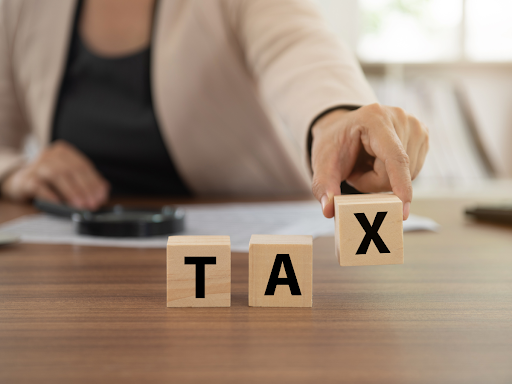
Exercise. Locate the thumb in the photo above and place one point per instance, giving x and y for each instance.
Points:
(330, 168)
(324, 189)
(332, 158)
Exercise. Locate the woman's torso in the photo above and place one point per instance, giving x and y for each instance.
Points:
(205, 97)
(105, 109)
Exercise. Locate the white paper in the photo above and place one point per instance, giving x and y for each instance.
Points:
(239, 221)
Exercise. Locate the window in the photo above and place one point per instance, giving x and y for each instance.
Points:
(488, 30)
(435, 30)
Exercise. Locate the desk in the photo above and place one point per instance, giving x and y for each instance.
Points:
(89, 315)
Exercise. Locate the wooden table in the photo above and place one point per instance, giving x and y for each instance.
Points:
(88, 315)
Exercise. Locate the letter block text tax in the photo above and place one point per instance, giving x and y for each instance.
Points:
(368, 229)
(281, 271)
(199, 271)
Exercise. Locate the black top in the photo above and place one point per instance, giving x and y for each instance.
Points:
(105, 110)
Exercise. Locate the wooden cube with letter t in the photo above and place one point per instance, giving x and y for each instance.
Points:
(199, 271)
(281, 271)
(369, 229)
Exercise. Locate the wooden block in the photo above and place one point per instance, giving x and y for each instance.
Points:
(280, 271)
(199, 271)
(369, 229)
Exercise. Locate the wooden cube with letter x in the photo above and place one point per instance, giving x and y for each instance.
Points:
(281, 271)
(198, 271)
(369, 229)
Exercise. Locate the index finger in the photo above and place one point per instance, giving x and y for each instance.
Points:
(400, 180)
(387, 147)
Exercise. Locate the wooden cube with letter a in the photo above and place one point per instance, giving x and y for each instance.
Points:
(369, 229)
(199, 271)
(281, 271)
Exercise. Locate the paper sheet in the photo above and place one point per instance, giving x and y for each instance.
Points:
(239, 220)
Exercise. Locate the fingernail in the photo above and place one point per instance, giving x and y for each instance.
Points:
(324, 200)
(407, 208)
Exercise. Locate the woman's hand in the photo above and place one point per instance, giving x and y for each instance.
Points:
(374, 148)
(61, 174)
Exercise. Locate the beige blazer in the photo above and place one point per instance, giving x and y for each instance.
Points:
(236, 85)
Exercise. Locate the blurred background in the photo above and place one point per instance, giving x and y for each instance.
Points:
(449, 62)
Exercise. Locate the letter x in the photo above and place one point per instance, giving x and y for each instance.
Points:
(371, 233)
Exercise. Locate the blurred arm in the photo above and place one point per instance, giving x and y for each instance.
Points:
(12, 127)
(301, 68)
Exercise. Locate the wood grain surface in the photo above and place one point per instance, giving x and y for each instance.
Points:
(98, 315)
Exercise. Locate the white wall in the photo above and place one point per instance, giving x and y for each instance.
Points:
(343, 18)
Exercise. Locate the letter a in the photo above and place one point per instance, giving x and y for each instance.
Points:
(289, 280)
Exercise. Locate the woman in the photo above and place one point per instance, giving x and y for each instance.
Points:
(190, 96)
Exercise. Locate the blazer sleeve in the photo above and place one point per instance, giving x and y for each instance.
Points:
(300, 67)
(12, 127)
